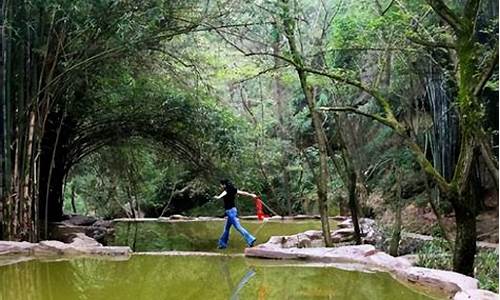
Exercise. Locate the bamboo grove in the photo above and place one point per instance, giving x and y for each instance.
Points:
(49, 52)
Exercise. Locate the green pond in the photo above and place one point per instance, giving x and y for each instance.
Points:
(146, 277)
(201, 235)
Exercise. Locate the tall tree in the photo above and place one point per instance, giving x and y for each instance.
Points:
(475, 66)
(316, 119)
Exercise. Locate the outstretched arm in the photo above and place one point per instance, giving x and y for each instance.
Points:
(243, 193)
(221, 195)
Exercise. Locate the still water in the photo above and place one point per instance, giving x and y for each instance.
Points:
(191, 277)
(201, 235)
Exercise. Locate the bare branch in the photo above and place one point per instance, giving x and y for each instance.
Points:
(286, 59)
(471, 10)
(420, 156)
(358, 112)
(431, 44)
(379, 6)
(274, 68)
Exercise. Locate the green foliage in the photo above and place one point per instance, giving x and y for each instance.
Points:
(200, 93)
(486, 270)
(438, 254)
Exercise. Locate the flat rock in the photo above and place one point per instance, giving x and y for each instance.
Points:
(113, 251)
(8, 247)
(339, 218)
(446, 281)
(51, 248)
(473, 294)
(367, 258)
(65, 232)
(179, 217)
(411, 258)
(132, 220)
(83, 241)
(330, 255)
(344, 231)
(103, 223)
(210, 219)
(487, 246)
(347, 222)
(388, 262)
(81, 245)
(249, 217)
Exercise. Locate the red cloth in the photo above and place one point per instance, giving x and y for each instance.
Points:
(259, 209)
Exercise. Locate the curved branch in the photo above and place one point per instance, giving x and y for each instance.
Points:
(417, 151)
(487, 72)
(354, 110)
(446, 14)
(431, 44)
(382, 101)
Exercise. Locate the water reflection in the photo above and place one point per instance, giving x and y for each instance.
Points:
(191, 277)
(250, 272)
(200, 235)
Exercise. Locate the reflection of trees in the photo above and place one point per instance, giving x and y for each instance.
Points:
(190, 277)
(36, 280)
(198, 235)
(235, 289)
(330, 283)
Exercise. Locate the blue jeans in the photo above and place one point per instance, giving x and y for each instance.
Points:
(232, 219)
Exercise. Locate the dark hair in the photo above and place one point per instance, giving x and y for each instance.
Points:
(228, 186)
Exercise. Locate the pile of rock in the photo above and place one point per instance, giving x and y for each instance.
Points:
(368, 229)
(81, 245)
(100, 230)
(345, 234)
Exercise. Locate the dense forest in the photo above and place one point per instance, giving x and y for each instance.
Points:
(119, 108)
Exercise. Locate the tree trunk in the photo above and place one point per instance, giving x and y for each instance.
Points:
(465, 241)
(278, 97)
(396, 232)
(353, 206)
(73, 196)
(435, 209)
(322, 178)
(350, 180)
(52, 170)
(3, 112)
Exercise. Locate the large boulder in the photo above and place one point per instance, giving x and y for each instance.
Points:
(102, 231)
(65, 232)
(370, 234)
